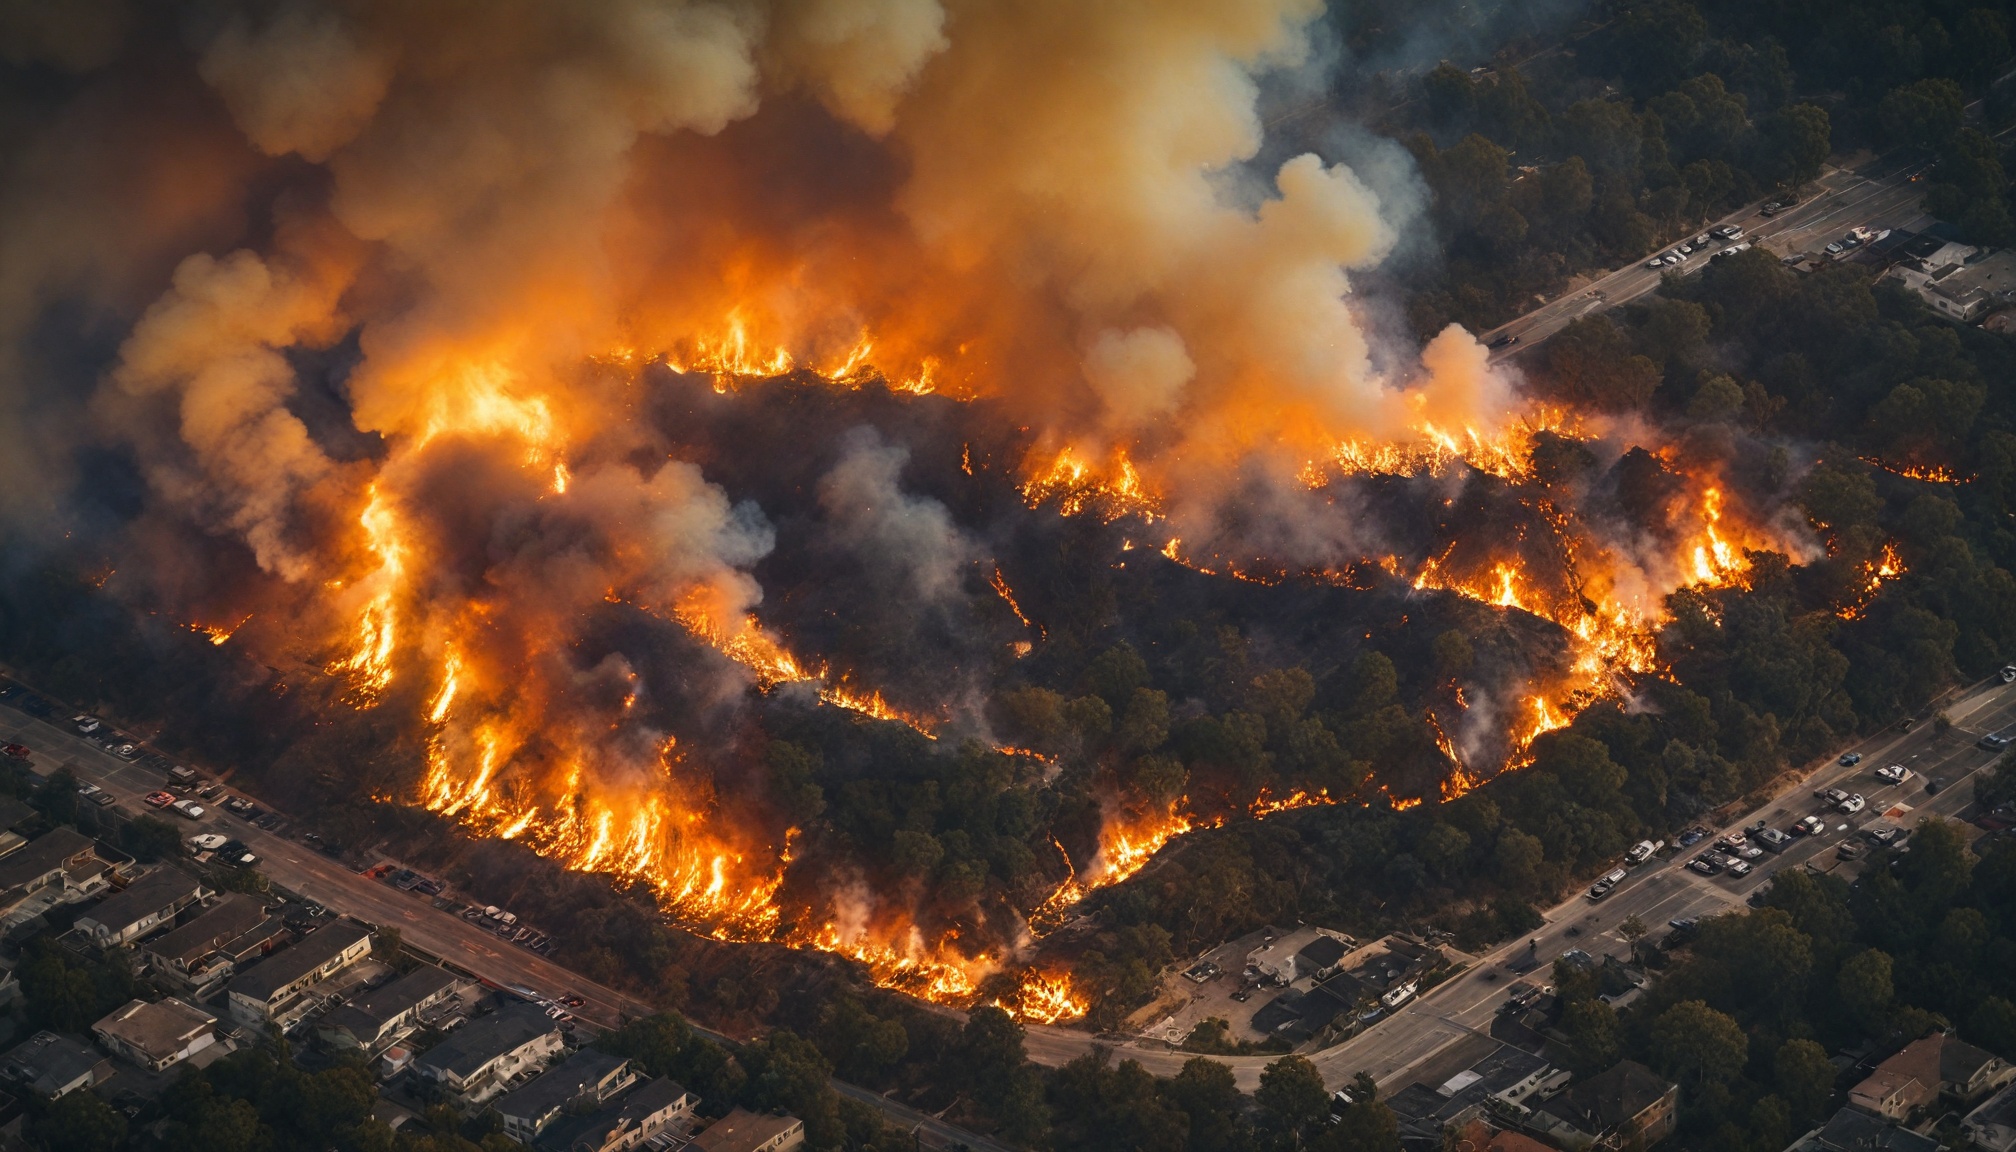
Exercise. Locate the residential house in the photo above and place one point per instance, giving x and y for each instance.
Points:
(1850, 1130)
(50, 1065)
(581, 1082)
(388, 1013)
(1497, 1082)
(477, 1063)
(156, 1034)
(636, 1117)
(146, 904)
(201, 952)
(1914, 1077)
(58, 866)
(1320, 958)
(273, 991)
(1628, 1105)
(741, 1131)
(12, 812)
(1992, 1125)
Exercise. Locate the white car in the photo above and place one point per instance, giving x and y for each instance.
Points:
(1738, 867)
(188, 808)
(1895, 773)
(1656, 262)
(1852, 804)
(208, 841)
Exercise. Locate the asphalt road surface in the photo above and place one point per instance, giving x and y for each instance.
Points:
(317, 878)
(1839, 200)
(1658, 891)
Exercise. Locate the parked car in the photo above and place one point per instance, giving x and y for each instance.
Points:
(127, 751)
(1728, 232)
(1993, 742)
(1895, 774)
(1503, 340)
(189, 808)
(1834, 248)
(1772, 208)
(1850, 759)
(1850, 850)
(1692, 836)
(85, 723)
(2008, 673)
(208, 841)
(1810, 826)
(1643, 850)
(16, 752)
(160, 799)
(1656, 262)
(1852, 804)
(1830, 795)
(1935, 785)
(1771, 839)
(1738, 868)
(1704, 866)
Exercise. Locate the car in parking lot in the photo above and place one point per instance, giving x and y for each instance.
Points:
(1770, 839)
(1830, 795)
(1895, 773)
(240, 805)
(1704, 866)
(189, 808)
(1748, 852)
(1656, 262)
(1810, 826)
(1643, 851)
(1993, 742)
(160, 799)
(1852, 804)
(1737, 868)
(1935, 785)
(1503, 340)
(85, 723)
(126, 751)
(1849, 759)
(16, 752)
(1692, 836)
(208, 841)
(1834, 248)
(92, 792)
(1727, 232)
(2008, 673)
(1849, 850)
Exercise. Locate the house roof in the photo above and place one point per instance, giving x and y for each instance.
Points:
(1997, 1111)
(1852, 1131)
(147, 896)
(157, 1028)
(1611, 1098)
(571, 1078)
(368, 1014)
(49, 1063)
(481, 1041)
(14, 811)
(629, 1112)
(229, 918)
(261, 981)
(41, 856)
(1322, 952)
(1885, 1083)
(739, 1131)
(1960, 1061)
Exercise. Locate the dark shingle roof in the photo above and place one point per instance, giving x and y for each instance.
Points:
(284, 967)
(39, 856)
(1610, 1098)
(222, 922)
(484, 1040)
(566, 1080)
(145, 897)
(1322, 952)
(1855, 1131)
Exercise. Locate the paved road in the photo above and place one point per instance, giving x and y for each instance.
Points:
(1656, 892)
(317, 878)
(1838, 201)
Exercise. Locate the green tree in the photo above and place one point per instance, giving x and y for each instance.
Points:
(1865, 987)
(1924, 114)
(80, 1122)
(1207, 1093)
(1595, 1038)
(1693, 1042)
(1801, 136)
(1291, 1095)
(1805, 1078)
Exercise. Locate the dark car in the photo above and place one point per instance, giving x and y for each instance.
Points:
(1693, 836)
(1935, 785)
(1503, 340)
(1993, 742)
